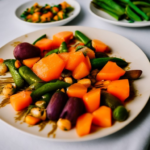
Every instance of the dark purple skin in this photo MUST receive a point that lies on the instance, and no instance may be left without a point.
(73, 109)
(56, 105)
(26, 50)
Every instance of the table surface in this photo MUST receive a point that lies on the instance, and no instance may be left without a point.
(129, 138)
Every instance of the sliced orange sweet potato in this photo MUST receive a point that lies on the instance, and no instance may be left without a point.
(76, 90)
(92, 100)
(30, 61)
(45, 44)
(64, 56)
(102, 116)
(119, 88)
(83, 125)
(49, 68)
(64, 36)
(21, 100)
(74, 60)
(99, 46)
(81, 71)
(111, 71)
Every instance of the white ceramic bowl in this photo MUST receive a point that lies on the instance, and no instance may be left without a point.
(103, 16)
(19, 10)
(121, 47)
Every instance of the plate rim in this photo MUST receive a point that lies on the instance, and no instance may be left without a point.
(66, 20)
(79, 139)
(125, 24)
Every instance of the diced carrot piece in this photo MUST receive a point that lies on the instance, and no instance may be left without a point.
(49, 68)
(99, 46)
(84, 123)
(31, 120)
(21, 100)
(64, 56)
(88, 62)
(30, 61)
(35, 17)
(1, 60)
(119, 88)
(64, 5)
(74, 60)
(81, 71)
(49, 14)
(45, 44)
(92, 100)
(111, 71)
(76, 90)
(60, 37)
(72, 49)
(102, 116)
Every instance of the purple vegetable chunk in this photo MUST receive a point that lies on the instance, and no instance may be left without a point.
(26, 50)
(73, 109)
(56, 105)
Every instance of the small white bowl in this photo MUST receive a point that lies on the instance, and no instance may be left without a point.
(19, 10)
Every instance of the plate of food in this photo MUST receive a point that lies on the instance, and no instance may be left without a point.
(72, 83)
(122, 12)
(47, 13)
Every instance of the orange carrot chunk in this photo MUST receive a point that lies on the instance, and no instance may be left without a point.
(88, 62)
(31, 120)
(111, 71)
(30, 61)
(1, 60)
(99, 46)
(60, 37)
(119, 88)
(74, 60)
(21, 100)
(102, 116)
(76, 90)
(81, 71)
(45, 44)
(92, 100)
(64, 56)
(49, 68)
(83, 125)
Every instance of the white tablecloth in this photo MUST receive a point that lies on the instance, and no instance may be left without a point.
(135, 136)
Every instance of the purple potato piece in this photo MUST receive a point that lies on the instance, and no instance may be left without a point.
(56, 105)
(26, 50)
(73, 109)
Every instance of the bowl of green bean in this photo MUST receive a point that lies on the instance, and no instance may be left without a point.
(130, 13)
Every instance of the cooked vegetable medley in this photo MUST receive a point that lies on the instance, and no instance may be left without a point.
(47, 13)
(69, 79)
(131, 10)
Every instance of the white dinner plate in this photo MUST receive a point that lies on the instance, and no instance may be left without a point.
(101, 15)
(19, 10)
(121, 47)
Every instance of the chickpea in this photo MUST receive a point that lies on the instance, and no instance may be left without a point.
(3, 68)
(85, 82)
(68, 80)
(8, 90)
(38, 113)
(64, 124)
(40, 104)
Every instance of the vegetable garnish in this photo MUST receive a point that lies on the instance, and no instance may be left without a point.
(69, 80)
